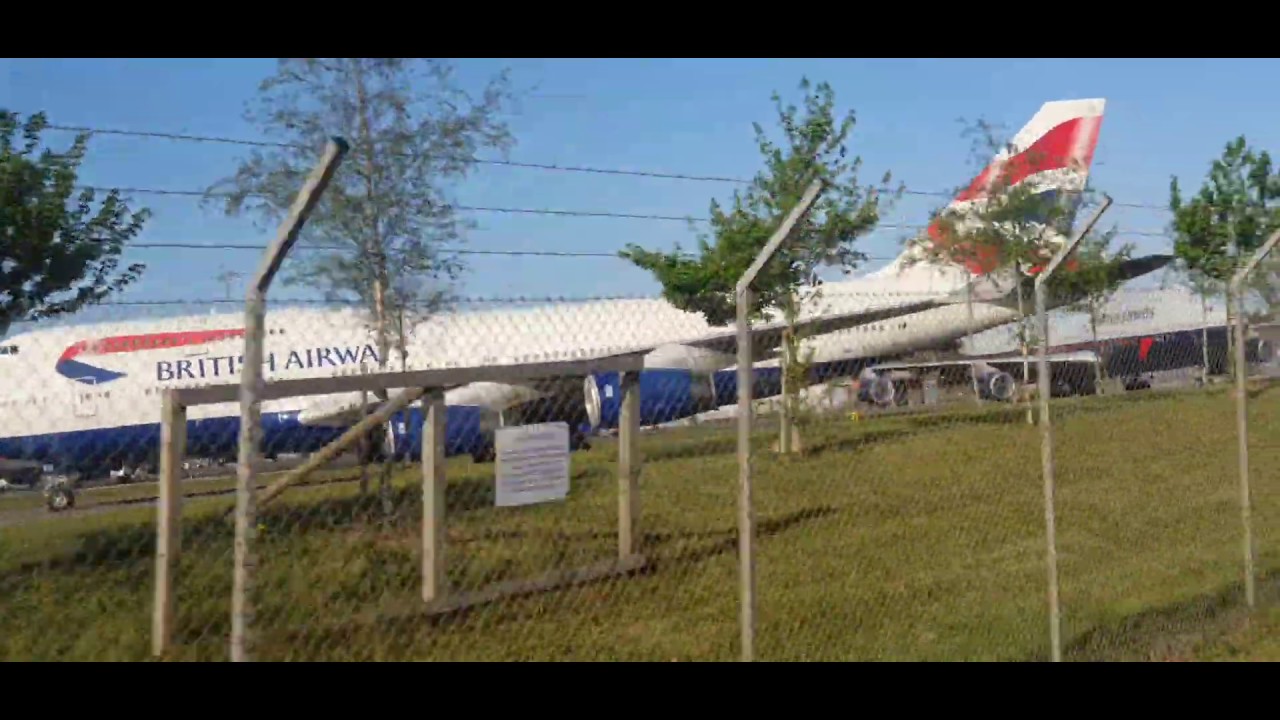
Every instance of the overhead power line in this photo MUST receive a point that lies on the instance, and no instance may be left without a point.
(482, 161)
(314, 301)
(494, 300)
(456, 251)
(465, 208)
(185, 137)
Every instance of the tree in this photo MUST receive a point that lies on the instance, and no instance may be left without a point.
(58, 254)
(1004, 222)
(1093, 281)
(814, 144)
(412, 132)
(1232, 215)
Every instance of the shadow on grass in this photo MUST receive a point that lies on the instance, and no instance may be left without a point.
(1168, 630)
(126, 544)
(408, 619)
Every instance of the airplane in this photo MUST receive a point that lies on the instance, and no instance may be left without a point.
(1140, 332)
(89, 398)
(1053, 153)
(85, 398)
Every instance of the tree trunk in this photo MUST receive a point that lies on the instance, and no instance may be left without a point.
(1231, 338)
(968, 301)
(1204, 339)
(376, 250)
(1097, 367)
(1022, 341)
(787, 424)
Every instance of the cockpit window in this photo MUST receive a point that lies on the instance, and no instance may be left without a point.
(8, 349)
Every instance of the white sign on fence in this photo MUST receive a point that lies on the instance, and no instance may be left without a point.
(532, 463)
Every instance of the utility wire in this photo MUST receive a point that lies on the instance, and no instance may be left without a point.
(481, 161)
(183, 137)
(480, 300)
(528, 211)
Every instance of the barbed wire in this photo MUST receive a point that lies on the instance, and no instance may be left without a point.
(521, 299)
(538, 211)
(186, 137)
(481, 161)
(447, 249)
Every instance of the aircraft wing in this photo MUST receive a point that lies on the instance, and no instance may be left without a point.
(1002, 361)
(344, 408)
(765, 336)
(996, 375)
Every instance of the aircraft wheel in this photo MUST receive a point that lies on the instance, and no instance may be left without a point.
(60, 498)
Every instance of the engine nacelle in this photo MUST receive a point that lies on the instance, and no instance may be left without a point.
(881, 390)
(997, 385)
(1259, 351)
(665, 395)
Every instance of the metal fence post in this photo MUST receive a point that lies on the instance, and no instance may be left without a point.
(1044, 384)
(1236, 292)
(251, 383)
(746, 516)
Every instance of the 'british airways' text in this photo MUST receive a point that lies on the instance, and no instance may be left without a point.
(227, 365)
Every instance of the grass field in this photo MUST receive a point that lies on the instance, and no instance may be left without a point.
(907, 538)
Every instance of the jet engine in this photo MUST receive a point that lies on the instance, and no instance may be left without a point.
(883, 390)
(665, 395)
(1260, 351)
(996, 385)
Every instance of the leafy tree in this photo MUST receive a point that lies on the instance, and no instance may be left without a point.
(413, 132)
(1093, 280)
(58, 253)
(814, 144)
(1232, 215)
(1004, 222)
(1000, 223)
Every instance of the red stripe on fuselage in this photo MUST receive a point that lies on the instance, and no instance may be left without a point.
(1144, 347)
(149, 341)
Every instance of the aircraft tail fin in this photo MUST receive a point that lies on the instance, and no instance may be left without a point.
(1053, 152)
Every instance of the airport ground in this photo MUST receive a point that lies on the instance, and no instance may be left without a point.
(905, 536)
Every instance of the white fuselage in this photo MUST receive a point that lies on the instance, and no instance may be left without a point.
(1128, 313)
(42, 395)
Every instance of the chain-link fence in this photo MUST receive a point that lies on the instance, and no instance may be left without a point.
(905, 520)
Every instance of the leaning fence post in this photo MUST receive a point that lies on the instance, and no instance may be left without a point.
(1236, 291)
(251, 384)
(1046, 431)
(173, 448)
(746, 516)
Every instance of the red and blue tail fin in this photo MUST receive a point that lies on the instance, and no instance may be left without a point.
(1053, 152)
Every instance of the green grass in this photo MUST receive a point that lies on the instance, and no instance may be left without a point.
(899, 538)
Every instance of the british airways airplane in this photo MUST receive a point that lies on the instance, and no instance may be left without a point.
(86, 399)
(1140, 332)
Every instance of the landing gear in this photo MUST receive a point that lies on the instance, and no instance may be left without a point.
(58, 494)
(1137, 383)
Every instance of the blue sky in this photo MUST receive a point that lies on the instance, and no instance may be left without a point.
(690, 116)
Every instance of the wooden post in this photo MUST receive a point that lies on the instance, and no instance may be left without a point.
(173, 446)
(433, 497)
(1046, 433)
(746, 514)
(1236, 290)
(629, 467)
(251, 385)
